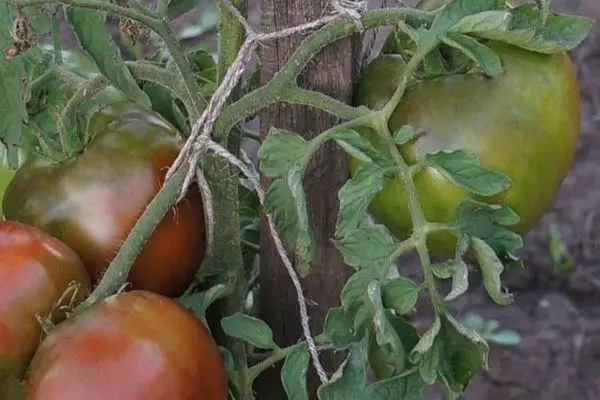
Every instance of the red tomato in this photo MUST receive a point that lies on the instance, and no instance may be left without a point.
(35, 271)
(92, 201)
(133, 346)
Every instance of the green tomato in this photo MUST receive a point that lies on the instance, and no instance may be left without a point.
(523, 123)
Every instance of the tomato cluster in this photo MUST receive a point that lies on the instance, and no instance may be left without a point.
(65, 222)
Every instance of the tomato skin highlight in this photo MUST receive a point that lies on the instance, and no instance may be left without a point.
(92, 201)
(35, 271)
(524, 123)
(133, 346)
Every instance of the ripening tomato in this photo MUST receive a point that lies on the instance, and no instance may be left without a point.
(133, 346)
(92, 201)
(523, 123)
(36, 271)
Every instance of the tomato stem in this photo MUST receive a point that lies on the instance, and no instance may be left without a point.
(223, 180)
(278, 355)
(421, 227)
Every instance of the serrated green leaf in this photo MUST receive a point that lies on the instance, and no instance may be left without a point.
(434, 64)
(305, 246)
(368, 247)
(456, 10)
(385, 333)
(426, 341)
(13, 108)
(404, 135)
(489, 222)
(483, 22)
(454, 356)
(460, 281)
(199, 302)
(465, 170)
(285, 200)
(463, 354)
(491, 270)
(359, 147)
(339, 328)
(399, 388)
(443, 270)
(229, 362)
(429, 365)
(163, 103)
(363, 315)
(350, 380)
(11, 83)
(280, 203)
(355, 290)
(356, 195)
(383, 360)
(482, 55)
(528, 30)
(91, 30)
(387, 354)
(400, 294)
(250, 329)
(293, 373)
(280, 151)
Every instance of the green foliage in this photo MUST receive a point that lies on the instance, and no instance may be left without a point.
(250, 329)
(92, 31)
(199, 302)
(465, 170)
(369, 327)
(293, 373)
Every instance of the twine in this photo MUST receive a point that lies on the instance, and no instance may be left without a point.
(200, 143)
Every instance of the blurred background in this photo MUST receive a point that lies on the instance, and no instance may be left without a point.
(546, 346)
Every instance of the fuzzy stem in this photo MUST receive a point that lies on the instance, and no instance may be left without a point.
(420, 225)
(223, 179)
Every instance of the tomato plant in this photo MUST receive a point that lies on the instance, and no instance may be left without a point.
(133, 346)
(38, 275)
(92, 202)
(456, 143)
(523, 123)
